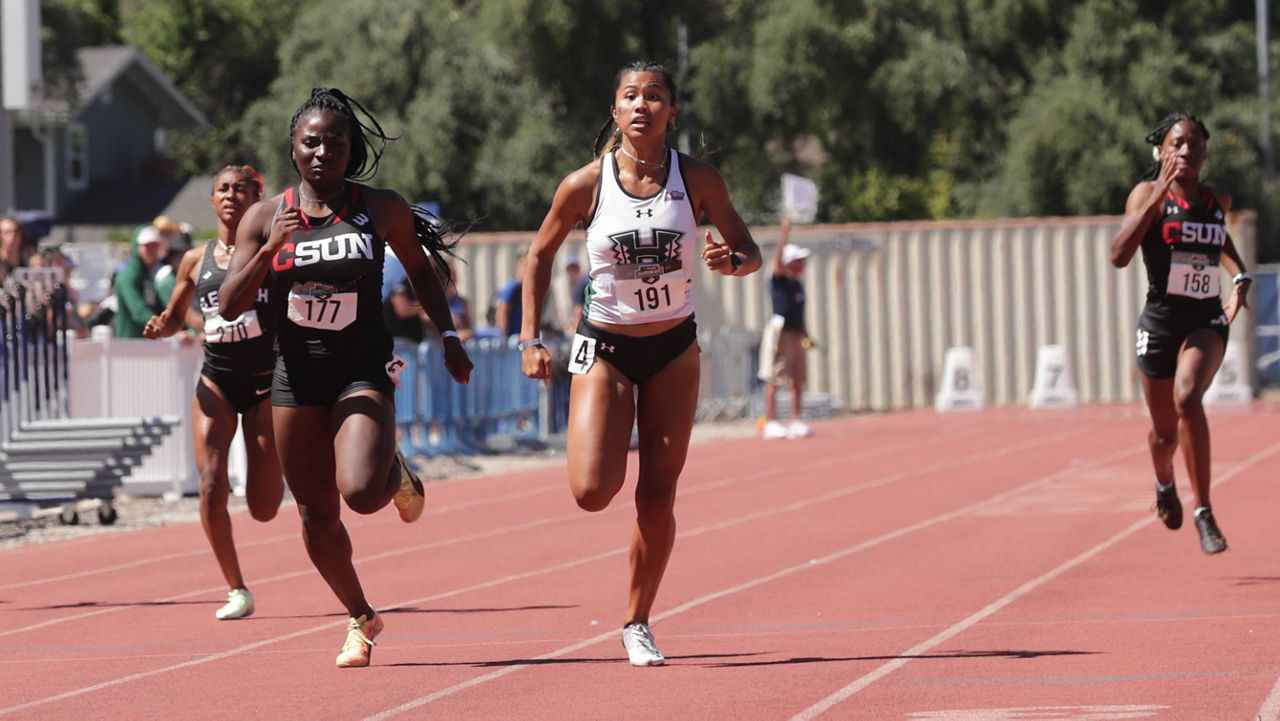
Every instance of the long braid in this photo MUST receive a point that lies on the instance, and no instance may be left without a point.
(1156, 137)
(365, 155)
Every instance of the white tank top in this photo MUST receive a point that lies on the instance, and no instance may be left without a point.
(640, 250)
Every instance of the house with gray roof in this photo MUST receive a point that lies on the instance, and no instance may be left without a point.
(100, 158)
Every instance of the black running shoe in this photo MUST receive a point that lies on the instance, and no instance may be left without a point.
(1168, 507)
(1211, 540)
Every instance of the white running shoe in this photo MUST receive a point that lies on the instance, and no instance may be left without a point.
(773, 430)
(799, 429)
(638, 641)
(239, 605)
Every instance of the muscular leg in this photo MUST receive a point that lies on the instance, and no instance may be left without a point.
(214, 425)
(771, 401)
(601, 413)
(303, 440)
(264, 488)
(797, 399)
(668, 402)
(1198, 361)
(1163, 437)
(364, 444)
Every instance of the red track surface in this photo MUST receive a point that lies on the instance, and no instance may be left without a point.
(906, 566)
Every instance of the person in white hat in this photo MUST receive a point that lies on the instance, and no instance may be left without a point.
(785, 339)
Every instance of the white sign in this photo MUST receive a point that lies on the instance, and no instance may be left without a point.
(961, 386)
(1055, 386)
(799, 198)
(1231, 384)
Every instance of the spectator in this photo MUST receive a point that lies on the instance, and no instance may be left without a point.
(13, 245)
(459, 308)
(783, 347)
(577, 292)
(508, 311)
(402, 314)
(135, 286)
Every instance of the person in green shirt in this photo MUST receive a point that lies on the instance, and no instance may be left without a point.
(136, 297)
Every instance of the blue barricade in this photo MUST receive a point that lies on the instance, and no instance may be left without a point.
(1266, 303)
(437, 415)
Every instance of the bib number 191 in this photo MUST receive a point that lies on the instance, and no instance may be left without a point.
(653, 297)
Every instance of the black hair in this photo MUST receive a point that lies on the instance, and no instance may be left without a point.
(367, 140)
(1155, 138)
(431, 234)
(248, 173)
(610, 134)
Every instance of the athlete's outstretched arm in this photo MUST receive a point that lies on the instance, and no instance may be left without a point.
(569, 207)
(395, 223)
(173, 316)
(711, 198)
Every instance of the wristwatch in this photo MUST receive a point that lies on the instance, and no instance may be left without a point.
(531, 343)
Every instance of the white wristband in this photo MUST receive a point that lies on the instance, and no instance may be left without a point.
(526, 344)
(1240, 278)
(449, 334)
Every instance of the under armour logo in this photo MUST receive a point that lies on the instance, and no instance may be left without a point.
(644, 212)
(360, 220)
(608, 347)
(207, 275)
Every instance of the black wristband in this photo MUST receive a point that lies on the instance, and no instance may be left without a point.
(735, 261)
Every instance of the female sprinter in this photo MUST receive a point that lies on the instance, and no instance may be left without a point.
(235, 380)
(1180, 224)
(640, 203)
(319, 246)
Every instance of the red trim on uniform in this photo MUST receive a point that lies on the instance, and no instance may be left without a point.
(352, 197)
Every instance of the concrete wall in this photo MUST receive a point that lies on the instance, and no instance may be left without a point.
(886, 300)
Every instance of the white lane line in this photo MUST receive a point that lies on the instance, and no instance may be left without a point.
(951, 464)
(708, 598)
(907, 656)
(700, 488)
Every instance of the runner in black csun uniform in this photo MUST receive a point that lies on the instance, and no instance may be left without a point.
(1180, 224)
(235, 379)
(320, 247)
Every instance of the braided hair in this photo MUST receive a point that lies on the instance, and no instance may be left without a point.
(1156, 137)
(610, 134)
(368, 141)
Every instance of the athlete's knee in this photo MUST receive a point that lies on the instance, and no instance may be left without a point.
(655, 503)
(365, 502)
(214, 489)
(1187, 399)
(319, 521)
(263, 512)
(594, 498)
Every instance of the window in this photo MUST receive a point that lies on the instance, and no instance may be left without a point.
(77, 157)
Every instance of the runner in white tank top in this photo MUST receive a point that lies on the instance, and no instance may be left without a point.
(640, 250)
(635, 354)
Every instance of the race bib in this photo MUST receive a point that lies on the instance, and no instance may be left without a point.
(637, 296)
(582, 354)
(220, 330)
(1193, 275)
(321, 306)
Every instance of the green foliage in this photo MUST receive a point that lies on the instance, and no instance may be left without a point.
(898, 108)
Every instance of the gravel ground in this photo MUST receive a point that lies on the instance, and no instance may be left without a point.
(143, 511)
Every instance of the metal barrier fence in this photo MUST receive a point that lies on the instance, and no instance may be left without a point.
(436, 415)
(33, 349)
(1266, 304)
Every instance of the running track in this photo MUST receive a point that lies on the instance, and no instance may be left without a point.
(984, 566)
